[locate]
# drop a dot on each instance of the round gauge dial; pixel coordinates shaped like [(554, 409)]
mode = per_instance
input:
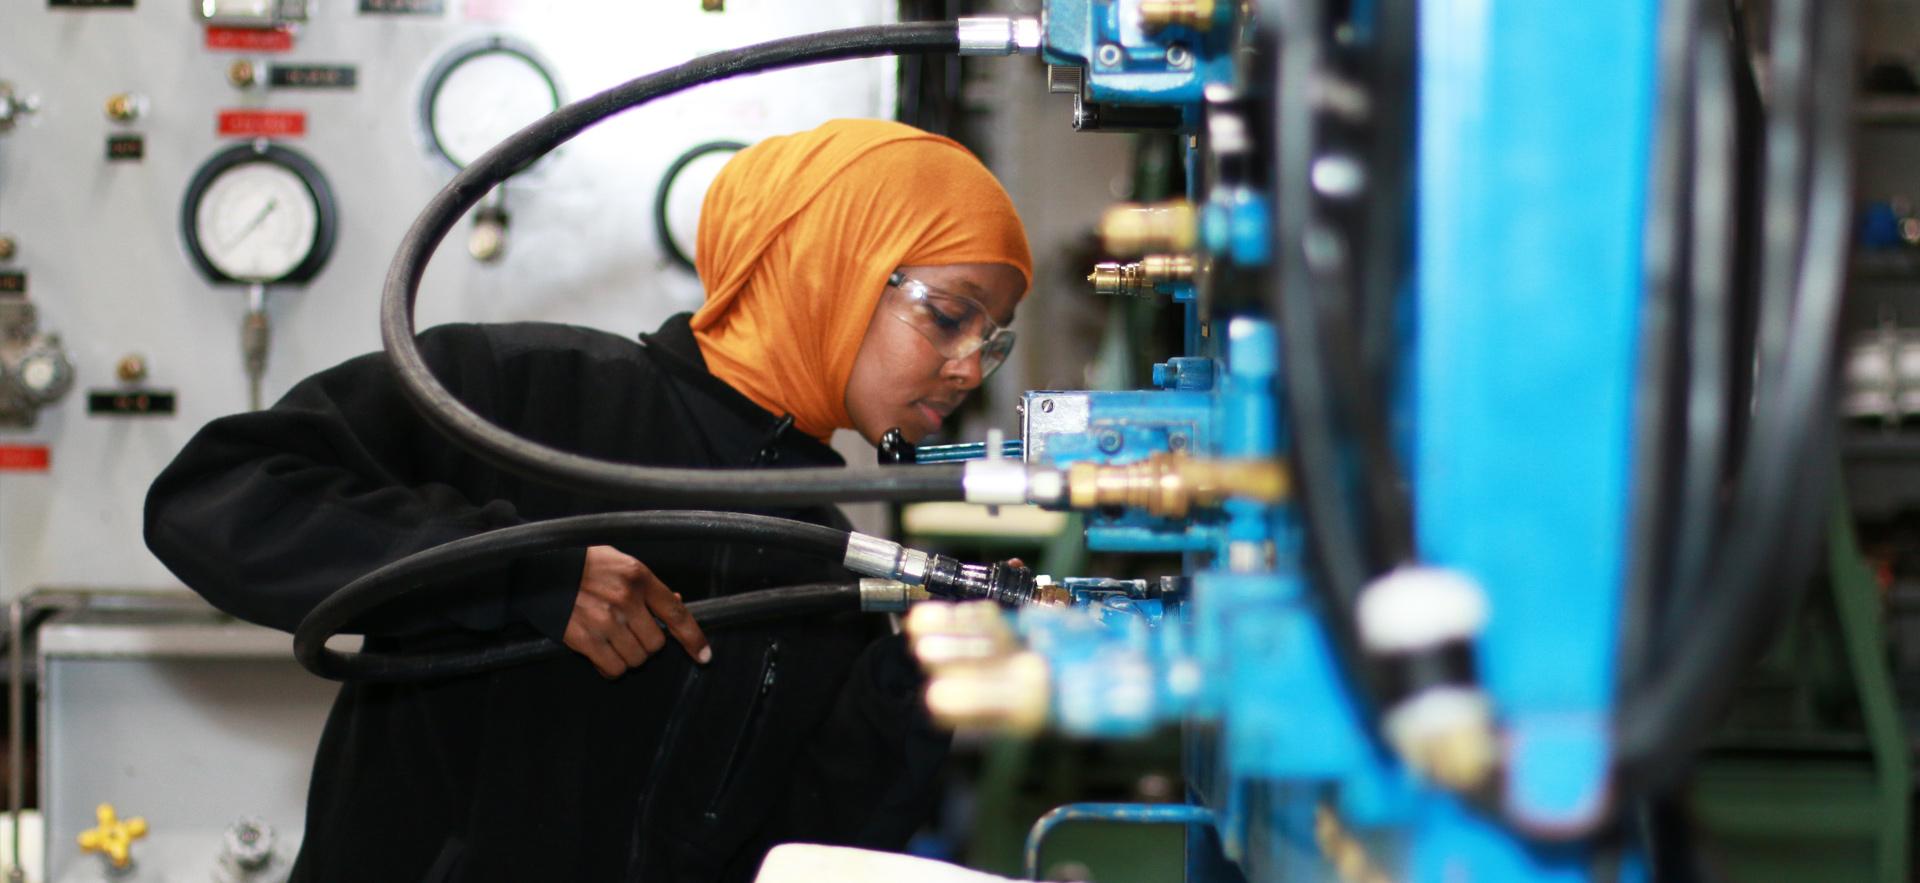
[(480, 93), (683, 187), (258, 214)]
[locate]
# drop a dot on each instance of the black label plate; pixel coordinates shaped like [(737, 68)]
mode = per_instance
[(131, 403), (13, 282), (126, 148), (402, 7), (312, 76), (90, 4)]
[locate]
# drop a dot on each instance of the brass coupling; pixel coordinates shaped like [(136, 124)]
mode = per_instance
[(1130, 229), (1343, 850), (1192, 14), (976, 674), (943, 634), (1446, 735), (1007, 695), (1172, 485), (1140, 278)]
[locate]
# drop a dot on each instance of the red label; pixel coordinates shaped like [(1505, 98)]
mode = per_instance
[(23, 458), (263, 123), (490, 10), (250, 39)]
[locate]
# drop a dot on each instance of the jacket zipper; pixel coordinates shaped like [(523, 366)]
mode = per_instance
[(769, 669), (636, 852)]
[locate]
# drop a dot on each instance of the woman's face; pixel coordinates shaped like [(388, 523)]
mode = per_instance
[(899, 377)]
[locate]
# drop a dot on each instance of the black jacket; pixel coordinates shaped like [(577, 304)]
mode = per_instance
[(801, 730)]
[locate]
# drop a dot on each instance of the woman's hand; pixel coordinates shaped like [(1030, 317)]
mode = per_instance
[(613, 615)]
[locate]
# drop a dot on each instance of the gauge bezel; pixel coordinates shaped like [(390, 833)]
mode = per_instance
[(326, 225), (452, 59), (661, 229)]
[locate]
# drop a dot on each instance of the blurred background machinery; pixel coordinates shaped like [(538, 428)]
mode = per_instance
[(1412, 519)]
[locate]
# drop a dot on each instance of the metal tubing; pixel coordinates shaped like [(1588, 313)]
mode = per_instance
[(16, 730), (1125, 813), (965, 451)]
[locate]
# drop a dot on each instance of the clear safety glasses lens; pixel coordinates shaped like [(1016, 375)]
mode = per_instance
[(956, 326)]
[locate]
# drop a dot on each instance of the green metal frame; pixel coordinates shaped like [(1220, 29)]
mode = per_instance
[(1807, 801)]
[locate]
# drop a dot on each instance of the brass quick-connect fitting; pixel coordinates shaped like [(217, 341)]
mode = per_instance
[(1139, 279), (1009, 694), (890, 596), (1194, 14), (943, 634), (976, 676), (1344, 851), (1447, 735), (1052, 596), (1171, 485), (1131, 229)]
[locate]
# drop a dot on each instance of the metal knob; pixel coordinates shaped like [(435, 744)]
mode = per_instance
[(124, 107), (113, 837), (132, 368), (14, 105), (894, 449), (44, 372), (243, 73), (247, 845), (488, 240)]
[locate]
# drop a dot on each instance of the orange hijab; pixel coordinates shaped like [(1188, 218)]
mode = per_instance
[(798, 235)]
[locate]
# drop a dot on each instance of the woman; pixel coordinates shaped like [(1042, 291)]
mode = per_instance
[(858, 275)]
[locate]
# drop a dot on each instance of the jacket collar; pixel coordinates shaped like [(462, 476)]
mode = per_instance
[(768, 439)]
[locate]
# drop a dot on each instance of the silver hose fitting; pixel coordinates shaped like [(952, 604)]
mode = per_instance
[(872, 556), (999, 35)]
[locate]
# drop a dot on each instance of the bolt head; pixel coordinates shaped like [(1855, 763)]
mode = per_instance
[(242, 73), (1108, 55), (132, 368), (1178, 56)]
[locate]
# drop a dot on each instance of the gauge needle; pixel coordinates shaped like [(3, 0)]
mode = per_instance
[(272, 203)]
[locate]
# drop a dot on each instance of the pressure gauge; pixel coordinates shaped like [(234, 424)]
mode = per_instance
[(259, 214), (481, 92)]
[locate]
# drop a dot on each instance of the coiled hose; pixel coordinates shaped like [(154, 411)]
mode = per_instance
[(657, 486), (433, 567)]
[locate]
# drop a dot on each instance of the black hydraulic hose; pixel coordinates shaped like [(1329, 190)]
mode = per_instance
[(1336, 550), (1655, 443), (1660, 725), (1710, 315), (1336, 553), (1390, 200), (711, 613), (433, 567), (656, 486)]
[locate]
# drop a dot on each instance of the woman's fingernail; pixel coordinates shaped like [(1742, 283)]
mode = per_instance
[(706, 655)]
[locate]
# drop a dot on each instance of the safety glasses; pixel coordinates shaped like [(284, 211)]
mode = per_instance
[(958, 326)]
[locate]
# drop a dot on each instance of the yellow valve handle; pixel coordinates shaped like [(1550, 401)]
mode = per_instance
[(114, 836)]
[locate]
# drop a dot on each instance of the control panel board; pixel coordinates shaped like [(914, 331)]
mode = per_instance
[(199, 201)]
